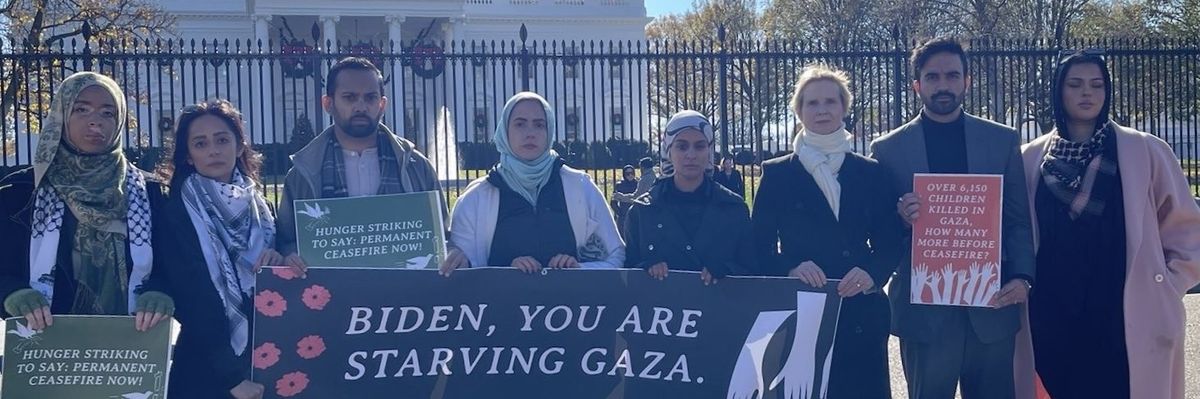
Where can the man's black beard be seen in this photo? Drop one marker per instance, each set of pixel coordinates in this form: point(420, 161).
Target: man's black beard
point(359, 131)
point(934, 107)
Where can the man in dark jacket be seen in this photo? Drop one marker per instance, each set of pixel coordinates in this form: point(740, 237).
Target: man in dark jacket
point(357, 156)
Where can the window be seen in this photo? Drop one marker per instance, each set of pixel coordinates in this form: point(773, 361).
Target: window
point(616, 70)
point(617, 123)
point(571, 124)
point(571, 62)
point(481, 124)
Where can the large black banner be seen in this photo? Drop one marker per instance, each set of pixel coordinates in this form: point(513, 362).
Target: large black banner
point(500, 333)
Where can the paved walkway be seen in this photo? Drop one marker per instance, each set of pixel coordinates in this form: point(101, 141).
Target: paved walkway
point(1191, 303)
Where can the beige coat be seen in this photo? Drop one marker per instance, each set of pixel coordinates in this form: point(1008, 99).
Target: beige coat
point(1163, 261)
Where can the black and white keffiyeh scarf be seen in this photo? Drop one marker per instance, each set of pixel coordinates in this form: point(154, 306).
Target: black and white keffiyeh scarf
point(47, 228)
point(234, 226)
point(1077, 172)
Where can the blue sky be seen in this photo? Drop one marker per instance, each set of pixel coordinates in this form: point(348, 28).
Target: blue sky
point(656, 8)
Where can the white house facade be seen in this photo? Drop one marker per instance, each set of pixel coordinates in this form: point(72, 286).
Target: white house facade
point(459, 105)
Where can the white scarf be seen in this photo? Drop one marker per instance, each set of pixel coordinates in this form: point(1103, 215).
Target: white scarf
point(822, 156)
point(47, 229)
point(233, 224)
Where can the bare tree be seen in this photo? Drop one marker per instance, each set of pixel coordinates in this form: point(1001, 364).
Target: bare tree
point(695, 81)
point(41, 26)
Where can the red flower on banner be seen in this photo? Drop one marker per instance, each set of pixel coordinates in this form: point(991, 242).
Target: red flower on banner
point(291, 384)
point(266, 355)
point(310, 347)
point(270, 303)
point(285, 273)
point(316, 297)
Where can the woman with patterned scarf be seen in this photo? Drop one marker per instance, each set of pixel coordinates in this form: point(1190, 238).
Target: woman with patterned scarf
point(1117, 234)
point(220, 233)
point(77, 224)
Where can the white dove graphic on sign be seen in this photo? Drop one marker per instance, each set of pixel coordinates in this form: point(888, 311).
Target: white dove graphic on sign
point(137, 395)
point(314, 211)
point(419, 262)
point(23, 331)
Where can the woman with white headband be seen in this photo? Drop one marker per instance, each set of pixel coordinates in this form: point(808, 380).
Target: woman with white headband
point(687, 221)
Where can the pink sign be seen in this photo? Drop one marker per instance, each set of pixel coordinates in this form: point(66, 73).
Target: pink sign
point(956, 239)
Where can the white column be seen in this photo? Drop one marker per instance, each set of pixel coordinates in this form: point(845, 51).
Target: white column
point(260, 112)
point(262, 29)
point(394, 23)
point(395, 45)
point(451, 30)
point(329, 31)
point(464, 124)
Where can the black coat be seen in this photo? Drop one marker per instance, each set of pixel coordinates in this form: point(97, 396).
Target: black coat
point(791, 214)
point(733, 181)
point(204, 364)
point(16, 216)
point(653, 233)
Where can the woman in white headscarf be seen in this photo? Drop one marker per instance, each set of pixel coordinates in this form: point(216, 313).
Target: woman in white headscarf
point(532, 211)
point(825, 213)
point(77, 224)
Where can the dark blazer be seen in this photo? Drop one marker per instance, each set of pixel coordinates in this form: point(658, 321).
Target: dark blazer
point(992, 148)
point(16, 215)
point(793, 223)
point(204, 365)
point(653, 234)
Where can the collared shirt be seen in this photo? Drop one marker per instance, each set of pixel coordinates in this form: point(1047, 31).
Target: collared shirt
point(362, 172)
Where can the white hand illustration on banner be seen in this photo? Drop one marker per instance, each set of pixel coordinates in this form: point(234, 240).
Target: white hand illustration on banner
point(798, 377)
point(987, 287)
point(920, 278)
point(973, 286)
point(960, 285)
point(935, 280)
point(747, 380)
point(948, 286)
point(969, 292)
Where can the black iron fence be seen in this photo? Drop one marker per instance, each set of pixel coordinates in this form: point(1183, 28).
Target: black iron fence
point(610, 98)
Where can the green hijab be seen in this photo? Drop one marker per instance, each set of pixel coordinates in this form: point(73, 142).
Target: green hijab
point(93, 188)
